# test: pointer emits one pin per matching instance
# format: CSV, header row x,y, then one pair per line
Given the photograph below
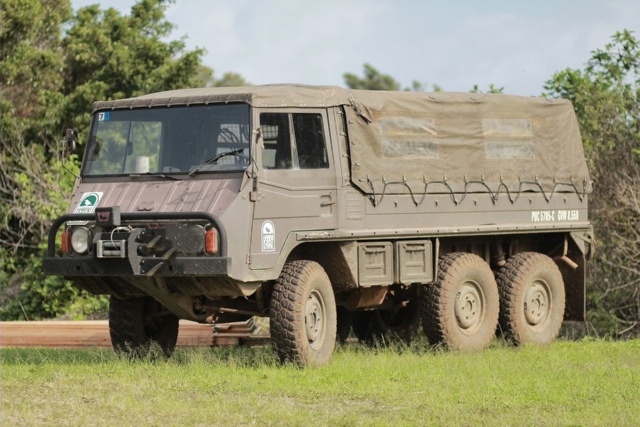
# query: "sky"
x,y
455,44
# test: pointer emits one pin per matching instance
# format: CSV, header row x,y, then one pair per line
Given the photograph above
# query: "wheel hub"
x,y
537,303
314,319
469,306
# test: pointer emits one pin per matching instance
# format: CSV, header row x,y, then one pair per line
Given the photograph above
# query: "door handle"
x,y
327,200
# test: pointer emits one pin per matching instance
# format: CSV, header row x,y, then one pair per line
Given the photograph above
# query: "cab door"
x,y
296,181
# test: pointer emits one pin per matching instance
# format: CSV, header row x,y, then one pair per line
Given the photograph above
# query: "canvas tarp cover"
x,y
473,142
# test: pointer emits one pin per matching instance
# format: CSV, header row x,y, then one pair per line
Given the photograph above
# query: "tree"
x,y
111,56
417,86
231,79
606,97
372,80
375,80
31,104
49,81
206,78
492,89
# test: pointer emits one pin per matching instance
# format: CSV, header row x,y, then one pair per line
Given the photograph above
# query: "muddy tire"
x,y
303,314
460,310
136,323
532,299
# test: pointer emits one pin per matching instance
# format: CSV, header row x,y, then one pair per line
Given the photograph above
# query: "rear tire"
x,y
303,314
135,323
532,299
460,310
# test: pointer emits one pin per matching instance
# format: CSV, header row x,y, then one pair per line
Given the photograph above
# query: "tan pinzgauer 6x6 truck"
x,y
328,209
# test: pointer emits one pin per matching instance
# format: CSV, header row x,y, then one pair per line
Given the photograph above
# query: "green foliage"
x,y
606,97
33,183
417,86
231,79
206,78
111,56
30,63
375,80
39,296
492,89
372,80
50,79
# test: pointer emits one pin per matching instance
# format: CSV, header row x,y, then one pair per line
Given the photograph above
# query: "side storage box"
x,y
415,261
375,263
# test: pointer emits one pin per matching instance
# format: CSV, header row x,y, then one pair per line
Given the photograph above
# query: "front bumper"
x,y
178,266
135,264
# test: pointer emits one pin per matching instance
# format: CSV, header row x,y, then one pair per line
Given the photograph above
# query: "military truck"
x,y
324,209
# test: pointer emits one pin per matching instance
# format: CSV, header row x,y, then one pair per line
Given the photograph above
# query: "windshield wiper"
x,y
161,175
216,158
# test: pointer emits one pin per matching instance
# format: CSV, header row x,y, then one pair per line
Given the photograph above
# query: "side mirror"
x,y
70,142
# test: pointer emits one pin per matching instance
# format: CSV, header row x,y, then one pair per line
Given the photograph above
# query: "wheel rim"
x,y
315,320
469,307
537,303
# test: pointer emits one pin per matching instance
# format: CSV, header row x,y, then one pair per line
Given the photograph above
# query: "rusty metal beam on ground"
x,y
95,333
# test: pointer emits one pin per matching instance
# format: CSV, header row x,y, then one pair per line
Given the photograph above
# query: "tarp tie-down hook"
x,y
358,109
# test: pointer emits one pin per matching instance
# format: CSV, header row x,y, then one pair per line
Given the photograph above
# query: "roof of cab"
x,y
281,95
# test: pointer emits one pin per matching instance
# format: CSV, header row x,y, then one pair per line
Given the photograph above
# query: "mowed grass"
x,y
566,383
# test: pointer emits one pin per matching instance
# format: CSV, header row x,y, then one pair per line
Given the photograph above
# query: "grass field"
x,y
567,383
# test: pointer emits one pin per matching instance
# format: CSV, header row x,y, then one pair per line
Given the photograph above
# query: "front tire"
x,y
135,323
303,314
532,299
460,310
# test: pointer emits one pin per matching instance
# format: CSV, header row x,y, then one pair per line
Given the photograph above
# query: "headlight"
x,y
80,240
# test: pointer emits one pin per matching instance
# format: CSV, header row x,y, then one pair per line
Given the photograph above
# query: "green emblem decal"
x,y
88,202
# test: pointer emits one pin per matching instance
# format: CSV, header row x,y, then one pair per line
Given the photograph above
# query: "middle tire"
x,y
303,314
460,310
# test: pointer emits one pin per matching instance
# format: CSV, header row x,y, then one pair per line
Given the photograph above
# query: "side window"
x,y
293,141
312,150
274,128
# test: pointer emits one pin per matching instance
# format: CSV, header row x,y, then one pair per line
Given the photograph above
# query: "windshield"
x,y
169,140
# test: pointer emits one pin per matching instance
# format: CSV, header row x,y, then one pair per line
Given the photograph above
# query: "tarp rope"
x,y
457,198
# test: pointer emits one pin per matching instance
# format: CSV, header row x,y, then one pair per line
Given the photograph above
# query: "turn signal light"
x,y
66,242
211,241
